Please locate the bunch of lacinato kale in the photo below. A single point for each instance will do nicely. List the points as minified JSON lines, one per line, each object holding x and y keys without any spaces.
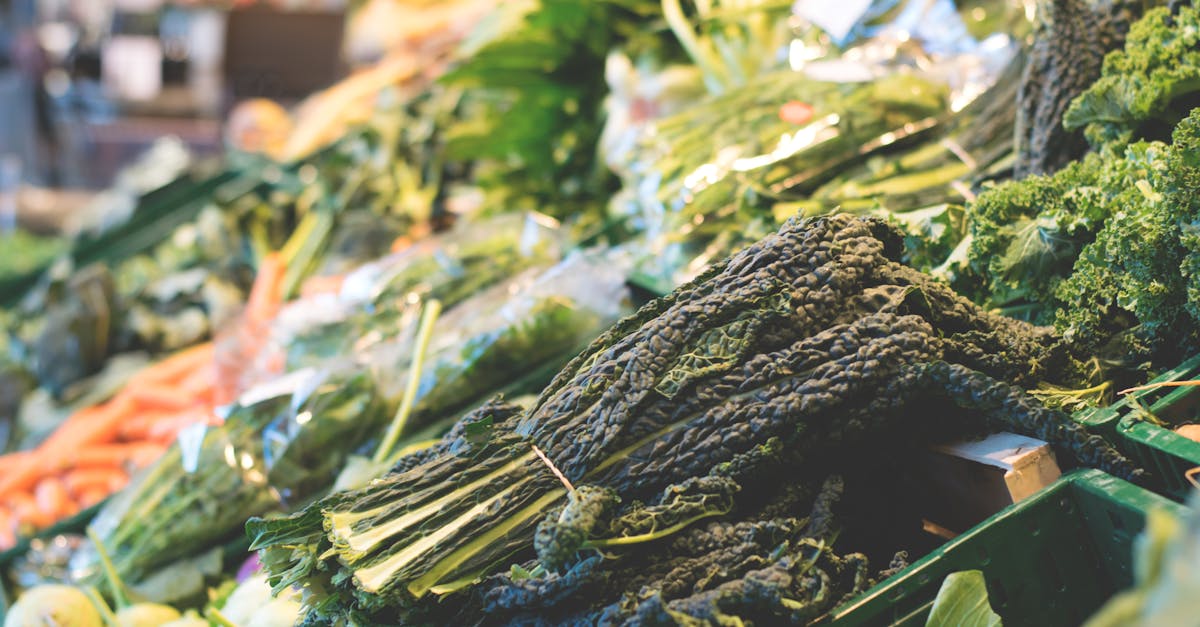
{"x":673,"y":471}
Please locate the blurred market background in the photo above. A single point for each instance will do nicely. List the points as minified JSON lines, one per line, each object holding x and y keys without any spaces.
{"x":86,"y":86}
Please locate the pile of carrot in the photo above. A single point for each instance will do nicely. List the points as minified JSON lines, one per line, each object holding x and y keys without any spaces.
{"x":92,"y":454}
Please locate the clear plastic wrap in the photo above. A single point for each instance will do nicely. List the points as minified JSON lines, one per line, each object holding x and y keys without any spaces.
{"x":380,"y":301}
{"x":278,"y":446}
{"x":284,"y":441}
{"x":709,"y":169}
{"x":857,"y":79}
{"x":516,"y":330}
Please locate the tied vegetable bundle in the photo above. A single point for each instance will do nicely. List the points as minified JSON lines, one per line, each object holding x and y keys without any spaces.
{"x":286,"y":440}
{"x":270,"y":450}
{"x":799,"y":349}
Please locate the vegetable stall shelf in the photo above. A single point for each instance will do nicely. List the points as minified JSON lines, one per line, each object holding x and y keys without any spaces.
{"x":1130,"y":425}
{"x":1051,"y":559}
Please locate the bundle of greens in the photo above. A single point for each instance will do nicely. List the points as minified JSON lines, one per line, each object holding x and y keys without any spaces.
{"x":269,"y":453}
{"x":717,"y":167}
{"x":1147,"y":87}
{"x":921,"y":186}
{"x":765,"y":568}
{"x":1071,"y":40}
{"x":805,"y":347}
{"x":279,"y":452}
{"x":1104,"y":248}
{"x":379,"y":299}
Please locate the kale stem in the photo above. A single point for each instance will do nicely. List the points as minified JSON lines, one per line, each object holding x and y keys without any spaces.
{"x":1160,"y":384}
{"x":653,"y":535}
{"x":432,"y":309}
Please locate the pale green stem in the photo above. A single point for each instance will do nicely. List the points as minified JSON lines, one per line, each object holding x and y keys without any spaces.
{"x":430,"y":314}
{"x":120,"y":594}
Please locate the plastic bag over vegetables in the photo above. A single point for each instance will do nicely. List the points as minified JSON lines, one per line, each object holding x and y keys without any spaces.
{"x":702,"y":174}
{"x":523,"y":328}
{"x":279,"y":445}
{"x":285,"y":441}
{"x":379,"y":300}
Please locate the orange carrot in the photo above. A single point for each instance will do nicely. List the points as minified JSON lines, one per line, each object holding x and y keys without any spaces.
{"x":159,"y":396}
{"x":199,"y":382}
{"x":8,"y":535}
{"x":165,"y":430}
{"x":138,"y":426}
{"x":106,"y":480}
{"x":267,"y":291}
{"x":77,"y":435}
{"x":322,"y":285}
{"x":20,"y":473}
{"x":116,"y":455}
{"x":26,"y":511}
{"x":51,"y":497}
{"x":90,"y":497}
{"x":174,"y":367}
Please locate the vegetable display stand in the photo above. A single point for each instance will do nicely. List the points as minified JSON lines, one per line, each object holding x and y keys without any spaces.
{"x":1051,"y":559}
{"x":1166,"y":455}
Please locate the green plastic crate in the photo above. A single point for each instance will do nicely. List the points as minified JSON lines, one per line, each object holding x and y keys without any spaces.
{"x":1052,"y":559}
{"x":1166,"y":455}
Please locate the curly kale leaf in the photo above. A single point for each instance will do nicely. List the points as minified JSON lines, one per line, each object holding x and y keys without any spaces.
{"x":1027,"y":234}
{"x":1135,"y":274}
{"x":1143,"y":84}
{"x":1070,"y":42}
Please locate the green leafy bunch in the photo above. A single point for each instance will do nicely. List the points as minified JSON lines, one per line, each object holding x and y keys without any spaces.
{"x":1152,"y":82}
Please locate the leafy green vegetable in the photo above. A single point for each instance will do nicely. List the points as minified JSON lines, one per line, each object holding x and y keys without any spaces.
{"x":1026,"y":235}
{"x":962,"y":601}
{"x":806,"y":345}
{"x":1071,"y":38}
{"x":264,"y":454}
{"x":535,"y":78}
{"x":1145,"y":89}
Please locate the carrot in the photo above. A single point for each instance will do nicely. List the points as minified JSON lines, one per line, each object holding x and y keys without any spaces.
{"x":174,"y":367}
{"x":106,"y":480}
{"x":90,"y":497}
{"x":70,"y":508}
{"x":322,"y":285}
{"x":138,"y":427}
{"x":51,"y":498}
{"x":199,"y":382}
{"x":158,"y":396}
{"x":26,"y":511}
{"x":8,"y":524}
{"x":117,"y":456}
{"x":401,"y":243}
{"x":75,"y":436}
{"x":20,"y":473}
{"x":267,"y":291}
{"x":164,"y":431}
